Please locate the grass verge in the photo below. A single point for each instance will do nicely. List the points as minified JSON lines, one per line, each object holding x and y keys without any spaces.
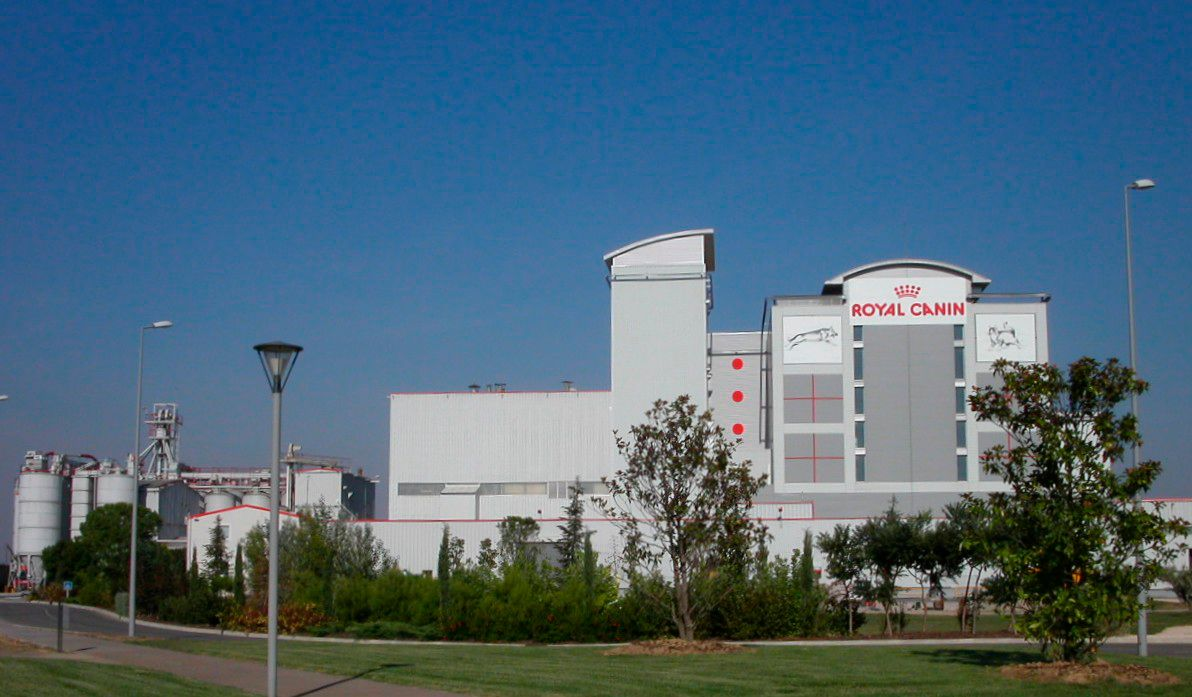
{"x":585,"y":672}
{"x":54,"y":676}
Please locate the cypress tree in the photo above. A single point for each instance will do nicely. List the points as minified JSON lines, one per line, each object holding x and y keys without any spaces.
{"x":571,"y":532}
{"x":238,"y":577}
{"x":444,"y":577}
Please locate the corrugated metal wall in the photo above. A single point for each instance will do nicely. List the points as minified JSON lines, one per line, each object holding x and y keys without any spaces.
{"x":498,"y":437}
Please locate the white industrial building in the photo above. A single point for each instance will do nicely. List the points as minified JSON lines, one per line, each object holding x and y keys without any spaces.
{"x":54,"y":492}
{"x":845,"y":398}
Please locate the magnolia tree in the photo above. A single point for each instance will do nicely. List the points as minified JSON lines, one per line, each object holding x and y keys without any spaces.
{"x":682,"y":500}
{"x":1074,"y":540}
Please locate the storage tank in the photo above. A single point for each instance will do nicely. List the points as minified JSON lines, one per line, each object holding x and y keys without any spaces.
{"x":256,"y":498}
{"x":115,"y":488}
{"x":219,"y":500}
{"x":82,"y":496}
{"x":39,"y":524}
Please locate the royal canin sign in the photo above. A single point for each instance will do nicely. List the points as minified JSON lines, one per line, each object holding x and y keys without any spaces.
{"x":907,"y":300}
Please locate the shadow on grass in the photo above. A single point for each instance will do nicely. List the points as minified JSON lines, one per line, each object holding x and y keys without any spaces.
{"x":977,"y":657}
{"x":359,"y":676}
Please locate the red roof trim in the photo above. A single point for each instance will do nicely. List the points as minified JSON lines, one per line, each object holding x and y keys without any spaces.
{"x":236,"y":508}
{"x":394,"y":394}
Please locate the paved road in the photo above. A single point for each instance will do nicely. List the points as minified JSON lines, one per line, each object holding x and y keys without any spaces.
{"x":37,"y":624}
{"x":79,"y":619}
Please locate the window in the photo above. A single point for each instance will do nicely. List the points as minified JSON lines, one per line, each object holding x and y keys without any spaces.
{"x":859,"y":400}
{"x":858,"y":365}
{"x":959,"y":352}
{"x":961,"y":467}
{"x":859,"y":429}
{"x":960,"y":434}
{"x":857,"y":333}
{"x":958,"y":332}
{"x":960,"y":402}
{"x":419,"y":489}
{"x":860,"y":468}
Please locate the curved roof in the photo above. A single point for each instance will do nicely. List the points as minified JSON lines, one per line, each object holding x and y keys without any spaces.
{"x":709,"y":246}
{"x":979,"y":282}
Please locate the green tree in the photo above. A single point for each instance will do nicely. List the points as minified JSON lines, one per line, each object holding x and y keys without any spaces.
{"x":845,"y":565}
{"x":571,"y":532}
{"x":682,"y":499}
{"x":444,"y":577}
{"x":216,"y":551}
{"x":890,"y":543}
{"x":486,"y":558}
{"x":238,"y":577}
{"x":1076,"y":541}
{"x":516,"y":532}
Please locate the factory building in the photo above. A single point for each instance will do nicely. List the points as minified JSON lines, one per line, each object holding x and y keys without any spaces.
{"x":54,"y":492}
{"x":845,"y":399}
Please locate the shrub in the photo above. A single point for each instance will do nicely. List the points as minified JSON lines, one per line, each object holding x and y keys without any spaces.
{"x":637,"y":615}
{"x":836,"y":616}
{"x":398,"y":596}
{"x":293,"y":618}
{"x":393,"y":630}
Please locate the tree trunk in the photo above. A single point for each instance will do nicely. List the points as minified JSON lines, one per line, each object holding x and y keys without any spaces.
{"x":976,"y":606}
{"x":923,"y":601}
{"x":848,"y":605}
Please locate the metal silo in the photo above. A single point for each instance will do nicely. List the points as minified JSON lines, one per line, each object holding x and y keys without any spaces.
{"x":40,"y":518}
{"x":219,"y":500}
{"x":115,"y":488}
{"x":256,"y":498}
{"x":82,"y":501}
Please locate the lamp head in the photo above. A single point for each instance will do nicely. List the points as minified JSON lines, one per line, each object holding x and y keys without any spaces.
{"x":1141,"y":184}
{"x":164,"y":324}
{"x":278,"y":359}
{"x":3,"y":398}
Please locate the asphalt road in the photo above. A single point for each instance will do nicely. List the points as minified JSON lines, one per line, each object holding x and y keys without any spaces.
{"x":79,"y":619}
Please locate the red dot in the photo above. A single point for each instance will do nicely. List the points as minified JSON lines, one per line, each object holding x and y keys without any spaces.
{"x":738,"y":429}
{"x":738,"y":364}
{"x":738,"y":396}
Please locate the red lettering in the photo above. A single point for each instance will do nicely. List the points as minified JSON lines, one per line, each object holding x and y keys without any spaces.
{"x":856,"y":313}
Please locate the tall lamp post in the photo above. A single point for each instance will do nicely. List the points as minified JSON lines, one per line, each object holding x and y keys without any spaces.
{"x":1137,"y":185}
{"x":136,"y":482}
{"x":278,"y":360}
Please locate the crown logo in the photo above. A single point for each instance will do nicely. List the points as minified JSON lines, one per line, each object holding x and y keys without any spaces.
{"x":907,"y":291}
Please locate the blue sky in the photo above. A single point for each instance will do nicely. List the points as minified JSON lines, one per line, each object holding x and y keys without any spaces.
{"x":421,"y":194}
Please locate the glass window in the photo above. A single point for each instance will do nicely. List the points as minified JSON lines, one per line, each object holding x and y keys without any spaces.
{"x":860,"y":468}
{"x":959,"y":400}
{"x":857,"y":333}
{"x":960,"y":434}
{"x":859,"y":400}
{"x":858,"y":365}
{"x":959,"y":362}
{"x":958,"y":332}
{"x":859,"y":429}
{"x":961,"y":467}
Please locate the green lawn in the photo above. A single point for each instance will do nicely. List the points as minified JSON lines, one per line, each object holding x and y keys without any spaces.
{"x":59,"y":676}
{"x":580,"y":672}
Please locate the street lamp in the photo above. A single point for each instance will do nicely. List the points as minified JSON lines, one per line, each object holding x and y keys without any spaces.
{"x":1137,"y":185}
{"x":136,"y":482}
{"x":278,"y":360}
